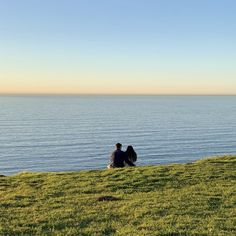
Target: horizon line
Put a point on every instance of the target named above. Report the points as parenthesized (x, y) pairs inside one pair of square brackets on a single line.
[(113, 94)]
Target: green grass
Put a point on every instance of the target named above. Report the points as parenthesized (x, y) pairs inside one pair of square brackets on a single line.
[(183, 199)]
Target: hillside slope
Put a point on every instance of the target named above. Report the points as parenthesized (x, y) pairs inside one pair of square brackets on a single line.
[(181, 199)]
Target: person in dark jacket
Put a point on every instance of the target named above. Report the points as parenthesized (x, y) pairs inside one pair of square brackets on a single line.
[(132, 155), (119, 158)]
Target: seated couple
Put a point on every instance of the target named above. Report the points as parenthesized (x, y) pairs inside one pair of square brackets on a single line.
[(121, 159)]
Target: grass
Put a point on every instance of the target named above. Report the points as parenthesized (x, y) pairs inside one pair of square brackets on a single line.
[(181, 199)]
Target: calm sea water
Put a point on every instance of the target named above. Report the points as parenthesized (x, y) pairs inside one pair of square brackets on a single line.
[(71, 133)]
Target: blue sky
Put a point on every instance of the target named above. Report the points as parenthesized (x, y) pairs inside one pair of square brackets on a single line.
[(118, 46)]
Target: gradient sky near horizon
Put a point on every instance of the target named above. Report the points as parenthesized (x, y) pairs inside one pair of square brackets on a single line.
[(118, 46)]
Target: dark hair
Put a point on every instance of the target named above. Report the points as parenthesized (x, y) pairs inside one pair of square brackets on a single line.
[(118, 145), (131, 154)]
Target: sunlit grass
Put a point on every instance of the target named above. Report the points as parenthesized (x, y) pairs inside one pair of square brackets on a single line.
[(183, 199)]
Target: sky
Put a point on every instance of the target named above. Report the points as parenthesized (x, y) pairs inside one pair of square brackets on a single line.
[(118, 46)]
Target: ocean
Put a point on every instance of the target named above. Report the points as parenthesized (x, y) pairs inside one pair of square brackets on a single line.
[(72, 133)]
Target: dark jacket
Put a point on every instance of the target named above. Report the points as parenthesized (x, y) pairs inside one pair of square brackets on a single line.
[(118, 158)]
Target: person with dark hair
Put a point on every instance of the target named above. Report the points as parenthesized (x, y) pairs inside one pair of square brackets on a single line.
[(132, 156), (119, 158)]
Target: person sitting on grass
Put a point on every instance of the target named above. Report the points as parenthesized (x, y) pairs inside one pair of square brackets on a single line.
[(132, 155), (119, 158)]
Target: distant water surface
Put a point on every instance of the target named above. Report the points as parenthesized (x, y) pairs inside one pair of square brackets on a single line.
[(71, 133)]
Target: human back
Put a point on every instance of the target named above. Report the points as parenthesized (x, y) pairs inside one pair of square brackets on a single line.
[(132, 155), (119, 158)]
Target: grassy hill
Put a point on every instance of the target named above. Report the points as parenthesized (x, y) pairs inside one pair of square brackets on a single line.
[(182, 199)]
